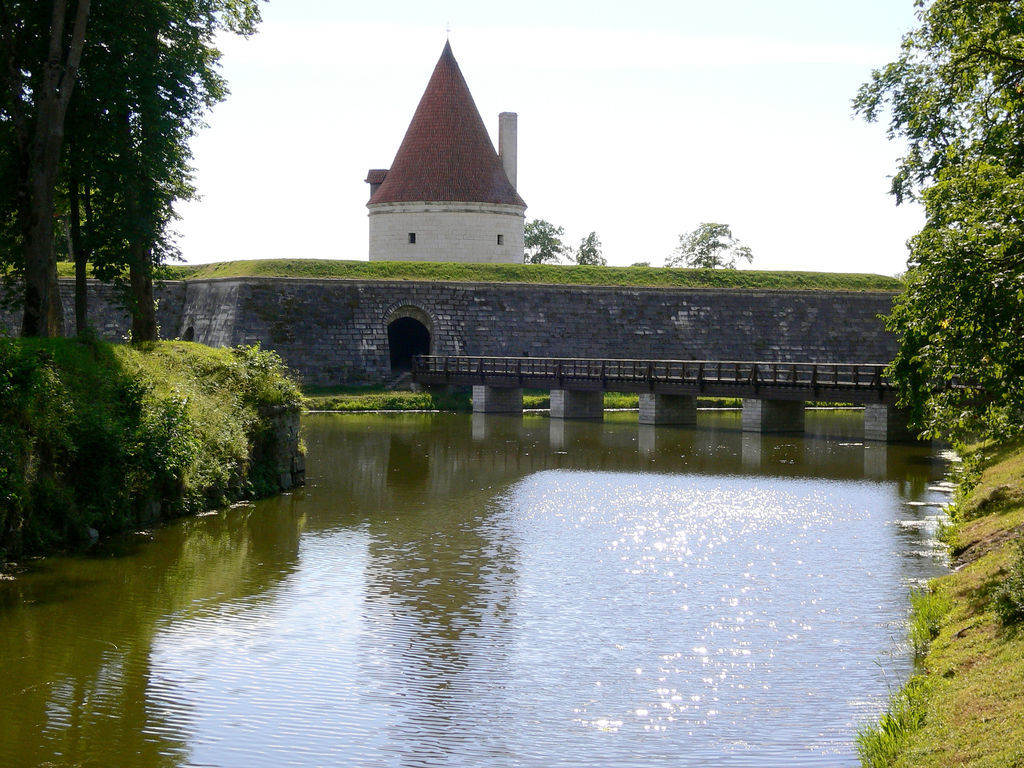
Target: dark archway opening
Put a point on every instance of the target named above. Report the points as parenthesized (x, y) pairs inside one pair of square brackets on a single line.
[(407, 337)]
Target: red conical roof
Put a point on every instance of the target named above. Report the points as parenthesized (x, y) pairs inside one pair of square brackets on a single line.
[(446, 154)]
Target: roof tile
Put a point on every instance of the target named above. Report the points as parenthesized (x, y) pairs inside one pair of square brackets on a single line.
[(446, 154)]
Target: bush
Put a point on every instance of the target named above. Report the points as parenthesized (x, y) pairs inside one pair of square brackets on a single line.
[(100, 436)]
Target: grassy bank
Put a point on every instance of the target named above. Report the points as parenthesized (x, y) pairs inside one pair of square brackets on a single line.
[(964, 707), (371, 399), (374, 399), (97, 438), (527, 273)]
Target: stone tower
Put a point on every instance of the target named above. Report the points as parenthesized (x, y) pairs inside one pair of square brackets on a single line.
[(448, 195)]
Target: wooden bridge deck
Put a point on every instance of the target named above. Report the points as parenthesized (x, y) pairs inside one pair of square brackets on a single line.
[(861, 383)]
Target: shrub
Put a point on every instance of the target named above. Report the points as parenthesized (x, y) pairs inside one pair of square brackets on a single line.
[(99, 436)]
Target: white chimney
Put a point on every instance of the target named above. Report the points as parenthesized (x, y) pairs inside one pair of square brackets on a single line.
[(507, 130)]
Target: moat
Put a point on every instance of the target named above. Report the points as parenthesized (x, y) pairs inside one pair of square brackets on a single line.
[(450, 590)]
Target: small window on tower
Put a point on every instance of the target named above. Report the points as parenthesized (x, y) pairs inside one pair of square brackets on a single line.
[(501, 239), (412, 238)]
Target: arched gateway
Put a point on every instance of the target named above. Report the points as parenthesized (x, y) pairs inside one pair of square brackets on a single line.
[(409, 333)]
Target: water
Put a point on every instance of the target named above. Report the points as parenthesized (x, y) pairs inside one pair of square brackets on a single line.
[(456, 591)]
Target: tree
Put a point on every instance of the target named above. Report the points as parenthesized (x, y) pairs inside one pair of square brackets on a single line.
[(146, 83), (40, 50), (956, 96), (543, 241), (147, 73), (589, 251), (707, 247)]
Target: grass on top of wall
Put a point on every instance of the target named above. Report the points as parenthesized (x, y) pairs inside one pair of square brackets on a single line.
[(527, 273)]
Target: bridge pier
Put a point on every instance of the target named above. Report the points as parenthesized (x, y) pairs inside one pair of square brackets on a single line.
[(497, 399), (772, 415), (577, 404), (885, 423), (667, 409)]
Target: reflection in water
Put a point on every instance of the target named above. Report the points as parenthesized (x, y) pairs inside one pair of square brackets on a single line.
[(490, 590), (77, 637), (751, 452)]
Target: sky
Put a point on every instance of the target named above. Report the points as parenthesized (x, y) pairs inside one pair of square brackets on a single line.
[(637, 121)]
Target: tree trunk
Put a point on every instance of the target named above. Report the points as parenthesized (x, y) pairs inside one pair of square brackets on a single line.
[(43, 313), (78, 251), (140, 277)]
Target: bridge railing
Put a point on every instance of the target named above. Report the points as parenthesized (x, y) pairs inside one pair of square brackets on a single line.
[(854, 376)]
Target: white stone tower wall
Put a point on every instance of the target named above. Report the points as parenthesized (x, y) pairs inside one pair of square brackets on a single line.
[(464, 232), (508, 145)]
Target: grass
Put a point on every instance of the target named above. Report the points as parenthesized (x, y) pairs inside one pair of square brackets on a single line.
[(1009, 596), (967, 702), (106, 437), (879, 745), (927, 610), (527, 273), (354, 399)]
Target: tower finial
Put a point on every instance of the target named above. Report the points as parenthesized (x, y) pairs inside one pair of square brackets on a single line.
[(448, 31)]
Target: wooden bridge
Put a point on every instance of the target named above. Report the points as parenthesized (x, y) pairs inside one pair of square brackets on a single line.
[(773, 393), (859, 383)]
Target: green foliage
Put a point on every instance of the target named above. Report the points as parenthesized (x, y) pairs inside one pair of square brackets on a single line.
[(555, 274), (149, 73), (1008, 599), (98, 436), (879, 744), (955, 96), (543, 242), (589, 251), (960, 320), (955, 93), (108, 147), (709, 246), (261, 382)]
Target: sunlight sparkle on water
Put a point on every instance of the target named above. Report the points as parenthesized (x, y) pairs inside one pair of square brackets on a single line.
[(715, 538), (440, 594)]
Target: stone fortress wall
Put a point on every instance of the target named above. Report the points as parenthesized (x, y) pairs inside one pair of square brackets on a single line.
[(336, 331)]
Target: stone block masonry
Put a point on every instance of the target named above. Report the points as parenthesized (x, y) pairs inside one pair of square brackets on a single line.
[(772, 415), (570, 404), (335, 331), (667, 409), (497, 400), (887, 424)]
